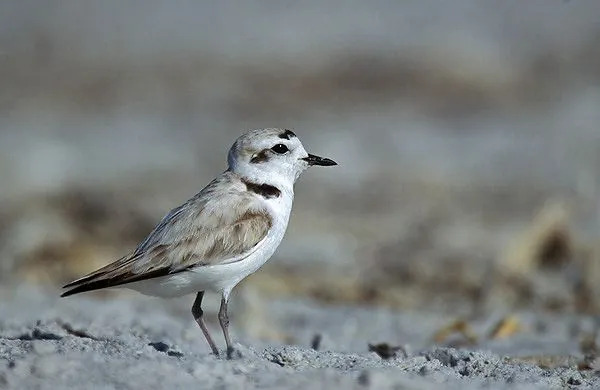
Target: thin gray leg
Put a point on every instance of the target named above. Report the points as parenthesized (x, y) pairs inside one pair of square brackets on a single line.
[(197, 312), (224, 321)]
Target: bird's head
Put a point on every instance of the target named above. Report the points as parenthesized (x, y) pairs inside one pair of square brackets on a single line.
[(272, 156)]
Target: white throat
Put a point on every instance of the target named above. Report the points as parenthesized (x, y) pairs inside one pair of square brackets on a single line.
[(281, 179)]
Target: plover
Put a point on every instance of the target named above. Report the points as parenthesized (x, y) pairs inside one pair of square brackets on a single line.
[(222, 234)]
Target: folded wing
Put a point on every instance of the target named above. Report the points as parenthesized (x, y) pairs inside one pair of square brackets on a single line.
[(221, 224)]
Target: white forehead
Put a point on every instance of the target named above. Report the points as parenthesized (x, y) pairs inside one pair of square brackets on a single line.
[(256, 140)]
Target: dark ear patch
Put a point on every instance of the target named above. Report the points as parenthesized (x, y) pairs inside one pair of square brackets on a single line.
[(260, 157), (287, 134)]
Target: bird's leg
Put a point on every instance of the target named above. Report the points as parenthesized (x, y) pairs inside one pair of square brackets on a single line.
[(224, 321), (197, 312)]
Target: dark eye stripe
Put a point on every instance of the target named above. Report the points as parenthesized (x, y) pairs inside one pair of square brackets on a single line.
[(260, 157)]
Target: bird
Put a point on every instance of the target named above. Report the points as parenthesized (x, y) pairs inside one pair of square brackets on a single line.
[(219, 236)]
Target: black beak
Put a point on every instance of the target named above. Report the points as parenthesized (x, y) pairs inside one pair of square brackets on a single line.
[(316, 160)]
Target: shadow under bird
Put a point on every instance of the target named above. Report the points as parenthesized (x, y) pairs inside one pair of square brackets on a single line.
[(221, 235)]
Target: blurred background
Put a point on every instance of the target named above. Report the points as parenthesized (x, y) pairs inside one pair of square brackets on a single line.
[(467, 135)]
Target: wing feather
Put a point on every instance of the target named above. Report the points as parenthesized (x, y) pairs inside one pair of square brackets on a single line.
[(221, 224)]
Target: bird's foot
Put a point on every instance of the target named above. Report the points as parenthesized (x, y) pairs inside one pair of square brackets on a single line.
[(233, 353)]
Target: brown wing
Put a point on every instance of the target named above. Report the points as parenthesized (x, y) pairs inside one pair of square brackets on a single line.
[(211, 228)]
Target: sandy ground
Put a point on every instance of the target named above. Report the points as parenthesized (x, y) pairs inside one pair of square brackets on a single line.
[(144, 343)]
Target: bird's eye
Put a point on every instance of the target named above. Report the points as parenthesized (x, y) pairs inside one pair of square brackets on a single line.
[(280, 148)]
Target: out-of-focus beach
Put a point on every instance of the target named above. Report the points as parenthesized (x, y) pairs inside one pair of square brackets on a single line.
[(464, 212)]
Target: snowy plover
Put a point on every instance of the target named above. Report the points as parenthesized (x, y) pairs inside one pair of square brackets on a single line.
[(222, 234)]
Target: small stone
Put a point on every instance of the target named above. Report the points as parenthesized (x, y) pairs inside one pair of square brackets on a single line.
[(160, 346), (573, 381), (174, 353), (386, 351)]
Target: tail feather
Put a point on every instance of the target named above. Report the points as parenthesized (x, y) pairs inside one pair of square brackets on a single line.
[(98, 281), (91, 286), (112, 267), (82, 280)]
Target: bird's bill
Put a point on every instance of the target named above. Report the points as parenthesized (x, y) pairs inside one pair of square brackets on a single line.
[(316, 160)]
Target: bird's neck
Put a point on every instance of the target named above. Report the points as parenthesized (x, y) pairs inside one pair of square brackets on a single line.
[(276, 194), (268, 183)]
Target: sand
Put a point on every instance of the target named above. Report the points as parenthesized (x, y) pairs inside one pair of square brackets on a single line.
[(135, 342)]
